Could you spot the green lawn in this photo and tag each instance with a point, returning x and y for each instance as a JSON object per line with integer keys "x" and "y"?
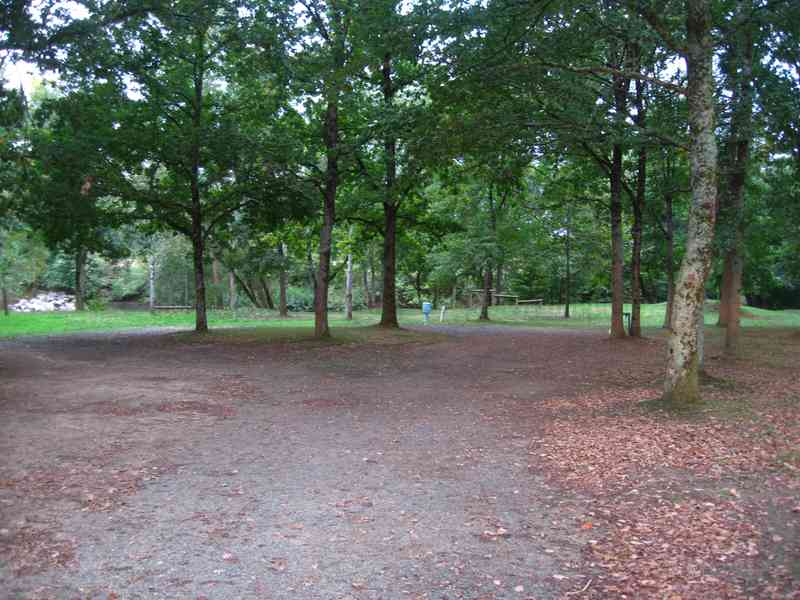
{"x": 583, "y": 316}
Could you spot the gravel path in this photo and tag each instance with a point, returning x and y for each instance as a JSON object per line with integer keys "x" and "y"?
{"x": 165, "y": 466}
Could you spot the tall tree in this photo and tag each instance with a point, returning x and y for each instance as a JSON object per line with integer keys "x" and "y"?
{"x": 681, "y": 385}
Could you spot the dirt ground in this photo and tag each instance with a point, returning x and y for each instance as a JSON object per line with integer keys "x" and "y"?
{"x": 487, "y": 463}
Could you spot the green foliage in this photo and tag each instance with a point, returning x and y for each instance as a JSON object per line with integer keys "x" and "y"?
{"x": 23, "y": 258}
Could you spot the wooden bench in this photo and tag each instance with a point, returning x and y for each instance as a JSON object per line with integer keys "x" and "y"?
{"x": 539, "y": 301}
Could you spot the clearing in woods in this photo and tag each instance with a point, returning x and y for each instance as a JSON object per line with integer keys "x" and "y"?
{"x": 477, "y": 462}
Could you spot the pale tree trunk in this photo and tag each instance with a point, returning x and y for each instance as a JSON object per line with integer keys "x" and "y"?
{"x": 283, "y": 282}
{"x": 486, "y": 298}
{"x": 232, "y": 290}
{"x": 367, "y": 291}
{"x": 348, "y": 296}
{"x": 80, "y": 278}
{"x": 681, "y": 385}
{"x": 151, "y": 279}
{"x": 636, "y": 229}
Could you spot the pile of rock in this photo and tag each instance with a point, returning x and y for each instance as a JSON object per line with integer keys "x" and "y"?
{"x": 45, "y": 302}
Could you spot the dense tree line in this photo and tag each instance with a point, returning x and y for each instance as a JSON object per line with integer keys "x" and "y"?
{"x": 560, "y": 151}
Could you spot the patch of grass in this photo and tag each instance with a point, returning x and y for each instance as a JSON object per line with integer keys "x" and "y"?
{"x": 57, "y": 323}
{"x": 584, "y": 316}
{"x": 596, "y": 315}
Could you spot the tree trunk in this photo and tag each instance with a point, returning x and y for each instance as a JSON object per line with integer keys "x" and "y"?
{"x": 321, "y": 327}
{"x": 283, "y": 282}
{"x": 568, "y": 273}
{"x": 617, "y": 247}
{"x": 198, "y": 236}
{"x": 636, "y": 228}
{"x": 486, "y": 298}
{"x": 5, "y": 299}
{"x": 151, "y": 277}
{"x": 198, "y": 248}
{"x": 367, "y": 291}
{"x": 681, "y": 385}
{"x": 390, "y": 208}
{"x": 248, "y": 291}
{"x": 669, "y": 260}
{"x": 80, "y": 278}
{"x": 348, "y": 296}
{"x": 498, "y": 282}
{"x": 741, "y": 133}
{"x": 389, "y": 306}
{"x": 267, "y": 294}
{"x": 216, "y": 280}
{"x": 231, "y": 290}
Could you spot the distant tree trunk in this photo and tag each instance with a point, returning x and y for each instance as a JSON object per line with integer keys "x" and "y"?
{"x": 723, "y": 316}
{"x": 620, "y": 87}
{"x": 390, "y": 209}
{"x": 681, "y": 385}
{"x": 248, "y": 290}
{"x": 486, "y": 298}
{"x": 742, "y": 50}
{"x": 151, "y": 277}
{"x": 669, "y": 260}
{"x": 375, "y": 291}
{"x": 5, "y": 299}
{"x": 636, "y": 228}
{"x": 267, "y": 294}
{"x": 310, "y": 269}
{"x": 231, "y": 290}
{"x": 348, "y": 296}
{"x": 216, "y": 280}
{"x": 568, "y": 273}
{"x": 80, "y": 278}
{"x": 617, "y": 246}
{"x": 367, "y": 290}
{"x": 283, "y": 282}
{"x": 498, "y": 282}
{"x": 454, "y": 296}
{"x": 331, "y": 139}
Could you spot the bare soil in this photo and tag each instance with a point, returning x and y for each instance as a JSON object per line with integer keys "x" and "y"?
{"x": 485, "y": 463}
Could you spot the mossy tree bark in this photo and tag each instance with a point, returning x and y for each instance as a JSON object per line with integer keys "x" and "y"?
{"x": 681, "y": 385}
